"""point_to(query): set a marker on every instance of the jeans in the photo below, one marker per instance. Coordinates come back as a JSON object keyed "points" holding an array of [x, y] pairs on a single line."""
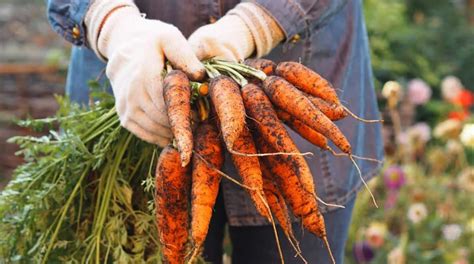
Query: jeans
{"points": [[256, 244]]}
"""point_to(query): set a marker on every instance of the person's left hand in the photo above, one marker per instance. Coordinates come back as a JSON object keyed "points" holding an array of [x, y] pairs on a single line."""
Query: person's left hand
{"points": [[243, 31]]}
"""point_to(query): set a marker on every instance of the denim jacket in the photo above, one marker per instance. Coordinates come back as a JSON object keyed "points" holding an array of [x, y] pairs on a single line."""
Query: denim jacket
{"points": [[329, 36]]}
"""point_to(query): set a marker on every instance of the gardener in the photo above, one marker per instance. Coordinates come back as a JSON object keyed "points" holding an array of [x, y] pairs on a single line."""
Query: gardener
{"points": [[132, 41]]}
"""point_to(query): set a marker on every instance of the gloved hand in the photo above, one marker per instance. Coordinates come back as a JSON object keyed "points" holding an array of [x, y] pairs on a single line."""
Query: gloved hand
{"points": [[243, 31], [136, 49]]}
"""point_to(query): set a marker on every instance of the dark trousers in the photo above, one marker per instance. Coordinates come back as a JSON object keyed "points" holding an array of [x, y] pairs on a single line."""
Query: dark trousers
{"points": [[256, 244]]}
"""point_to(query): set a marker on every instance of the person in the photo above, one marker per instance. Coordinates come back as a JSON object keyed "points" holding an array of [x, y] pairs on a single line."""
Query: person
{"points": [[131, 40]]}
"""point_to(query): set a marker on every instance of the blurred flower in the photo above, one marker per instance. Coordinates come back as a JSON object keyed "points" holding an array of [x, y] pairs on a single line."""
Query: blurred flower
{"points": [[418, 195], [391, 200], [451, 87], [458, 115], [394, 177], [448, 129], [392, 91], [363, 253], [466, 179], [461, 261], [396, 256], [419, 92], [403, 138], [417, 213], [375, 234], [437, 159], [451, 232], [464, 99], [454, 147], [470, 225], [226, 259], [420, 131], [467, 135], [445, 209], [392, 88]]}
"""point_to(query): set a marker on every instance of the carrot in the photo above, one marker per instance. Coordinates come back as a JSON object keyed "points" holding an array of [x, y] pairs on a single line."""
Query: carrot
{"points": [[277, 205], [332, 111], [303, 130], [302, 203], [225, 96], [205, 180], [284, 95], [272, 130], [307, 80], [172, 184], [267, 66], [177, 96], [248, 168]]}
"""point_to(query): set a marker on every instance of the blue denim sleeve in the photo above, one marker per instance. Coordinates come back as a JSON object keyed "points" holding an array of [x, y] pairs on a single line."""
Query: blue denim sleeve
{"points": [[66, 18], [299, 16]]}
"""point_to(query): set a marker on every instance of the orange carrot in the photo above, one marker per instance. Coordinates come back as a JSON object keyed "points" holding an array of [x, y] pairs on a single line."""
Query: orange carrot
{"points": [[260, 109], [284, 95], [267, 66], [248, 168], [332, 111], [225, 96], [172, 202], [302, 203], [205, 180], [307, 80], [177, 96], [303, 130], [277, 203]]}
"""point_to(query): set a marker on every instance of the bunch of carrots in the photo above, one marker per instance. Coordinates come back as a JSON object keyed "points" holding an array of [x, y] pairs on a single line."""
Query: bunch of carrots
{"points": [[241, 110]]}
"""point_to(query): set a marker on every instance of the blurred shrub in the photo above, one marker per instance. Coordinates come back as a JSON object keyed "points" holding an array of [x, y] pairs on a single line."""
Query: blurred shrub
{"points": [[420, 39]]}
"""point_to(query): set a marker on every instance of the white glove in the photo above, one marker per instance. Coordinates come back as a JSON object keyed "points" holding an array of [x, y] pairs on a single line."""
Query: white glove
{"points": [[245, 29], [136, 49]]}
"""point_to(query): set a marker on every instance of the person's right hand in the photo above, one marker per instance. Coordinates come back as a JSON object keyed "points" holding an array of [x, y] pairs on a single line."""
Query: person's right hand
{"points": [[136, 49]]}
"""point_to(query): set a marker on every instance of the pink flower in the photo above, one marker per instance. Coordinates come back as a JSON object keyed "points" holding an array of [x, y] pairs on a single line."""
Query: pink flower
{"points": [[391, 200], [419, 92], [420, 131], [394, 177]]}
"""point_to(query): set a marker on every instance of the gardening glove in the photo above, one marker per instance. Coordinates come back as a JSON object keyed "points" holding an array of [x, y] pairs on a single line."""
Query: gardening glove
{"points": [[136, 49], [243, 31]]}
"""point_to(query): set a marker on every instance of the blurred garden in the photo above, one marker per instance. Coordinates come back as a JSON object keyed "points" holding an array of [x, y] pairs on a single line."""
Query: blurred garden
{"points": [[423, 60]]}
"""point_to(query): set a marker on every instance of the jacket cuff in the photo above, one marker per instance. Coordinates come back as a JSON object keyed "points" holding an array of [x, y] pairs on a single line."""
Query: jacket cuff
{"points": [[97, 16], [265, 31], [289, 15], [67, 20]]}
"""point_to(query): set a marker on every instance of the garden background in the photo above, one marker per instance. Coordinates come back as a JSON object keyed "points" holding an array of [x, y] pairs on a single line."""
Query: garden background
{"points": [[423, 62]]}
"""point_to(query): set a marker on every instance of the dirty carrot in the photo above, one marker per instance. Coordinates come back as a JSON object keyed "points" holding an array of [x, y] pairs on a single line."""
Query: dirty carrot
{"points": [[248, 168], [205, 180], [278, 206], [267, 66], [265, 119], [172, 184], [303, 130], [307, 80], [284, 95], [302, 203], [177, 96], [227, 101], [332, 111]]}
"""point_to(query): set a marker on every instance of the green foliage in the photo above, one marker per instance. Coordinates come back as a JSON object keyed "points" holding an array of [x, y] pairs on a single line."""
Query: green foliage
{"points": [[419, 39], [83, 195]]}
